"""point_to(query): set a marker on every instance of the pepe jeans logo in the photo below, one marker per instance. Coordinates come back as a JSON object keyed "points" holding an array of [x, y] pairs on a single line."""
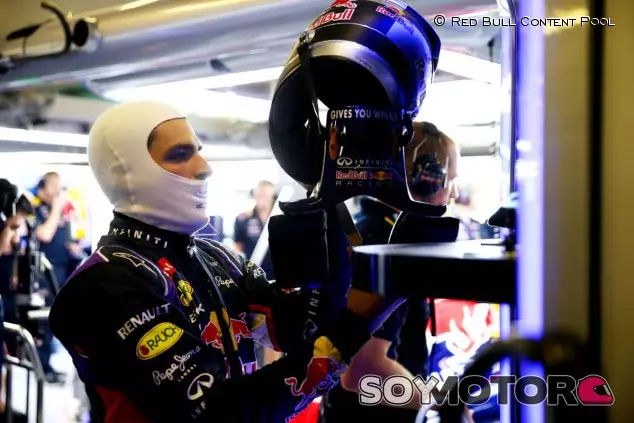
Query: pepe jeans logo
{"points": [[179, 366], [158, 340], [223, 282]]}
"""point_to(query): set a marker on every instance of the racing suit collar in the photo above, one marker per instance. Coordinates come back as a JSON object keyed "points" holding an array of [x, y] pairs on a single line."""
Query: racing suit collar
{"points": [[147, 235]]}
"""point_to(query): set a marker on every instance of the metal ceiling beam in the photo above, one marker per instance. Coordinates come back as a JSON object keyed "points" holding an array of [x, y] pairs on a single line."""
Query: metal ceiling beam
{"points": [[126, 40]]}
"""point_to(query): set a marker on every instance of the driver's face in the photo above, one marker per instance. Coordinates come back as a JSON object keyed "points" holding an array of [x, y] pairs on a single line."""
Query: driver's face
{"points": [[176, 149]]}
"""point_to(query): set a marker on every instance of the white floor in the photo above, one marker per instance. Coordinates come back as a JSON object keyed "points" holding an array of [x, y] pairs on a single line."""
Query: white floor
{"points": [[59, 404]]}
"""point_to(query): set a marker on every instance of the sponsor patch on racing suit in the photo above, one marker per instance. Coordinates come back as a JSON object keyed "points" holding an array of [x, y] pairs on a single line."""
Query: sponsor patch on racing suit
{"points": [[157, 335]]}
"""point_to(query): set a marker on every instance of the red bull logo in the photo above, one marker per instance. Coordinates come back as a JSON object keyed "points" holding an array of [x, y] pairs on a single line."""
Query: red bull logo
{"points": [[348, 4], [239, 328], [352, 175], [317, 381], [389, 11], [330, 17], [321, 372], [212, 335], [397, 15], [381, 175]]}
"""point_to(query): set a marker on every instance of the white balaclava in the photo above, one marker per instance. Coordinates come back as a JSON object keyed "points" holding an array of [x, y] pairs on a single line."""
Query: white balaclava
{"points": [[133, 182]]}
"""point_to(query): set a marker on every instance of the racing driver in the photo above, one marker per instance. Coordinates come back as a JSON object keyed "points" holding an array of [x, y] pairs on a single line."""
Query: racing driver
{"points": [[161, 324]]}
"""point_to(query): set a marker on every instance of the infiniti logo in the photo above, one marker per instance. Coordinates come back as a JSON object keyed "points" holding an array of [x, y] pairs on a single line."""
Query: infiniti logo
{"points": [[344, 161], [195, 390]]}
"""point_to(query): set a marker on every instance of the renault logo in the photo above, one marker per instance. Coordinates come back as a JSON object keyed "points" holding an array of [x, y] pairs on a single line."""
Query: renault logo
{"points": [[344, 161], [195, 390]]}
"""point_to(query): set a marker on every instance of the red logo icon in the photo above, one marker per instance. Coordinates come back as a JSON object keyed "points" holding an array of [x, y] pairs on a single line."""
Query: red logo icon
{"points": [[318, 379], [239, 328], [389, 11], [352, 175], [348, 4], [211, 334], [594, 390], [381, 175], [167, 267]]}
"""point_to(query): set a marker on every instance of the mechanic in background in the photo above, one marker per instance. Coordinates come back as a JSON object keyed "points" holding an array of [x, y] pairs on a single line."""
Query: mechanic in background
{"points": [[249, 225], [400, 346], [246, 232], [53, 232], [52, 226]]}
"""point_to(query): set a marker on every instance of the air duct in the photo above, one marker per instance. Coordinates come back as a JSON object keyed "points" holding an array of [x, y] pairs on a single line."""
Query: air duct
{"points": [[154, 35], [140, 36]]}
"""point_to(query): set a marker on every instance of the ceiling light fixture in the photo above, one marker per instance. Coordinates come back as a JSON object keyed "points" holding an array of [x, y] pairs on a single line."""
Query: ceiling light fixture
{"points": [[460, 64], [65, 139], [202, 103], [210, 152], [18, 158], [470, 67], [229, 80], [465, 101]]}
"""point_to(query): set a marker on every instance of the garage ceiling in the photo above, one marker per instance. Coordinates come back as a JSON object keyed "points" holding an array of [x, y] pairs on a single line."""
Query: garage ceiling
{"points": [[35, 96]]}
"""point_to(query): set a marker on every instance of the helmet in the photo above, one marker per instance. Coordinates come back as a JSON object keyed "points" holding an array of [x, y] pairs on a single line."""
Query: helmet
{"points": [[378, 54]]}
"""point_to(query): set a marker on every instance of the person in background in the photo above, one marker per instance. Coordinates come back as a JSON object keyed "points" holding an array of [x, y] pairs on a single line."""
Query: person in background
{"points": [[399, 347], [246, 232], [470, 228], [52, 225], [431, 156], [249, 225], [52, 231]]}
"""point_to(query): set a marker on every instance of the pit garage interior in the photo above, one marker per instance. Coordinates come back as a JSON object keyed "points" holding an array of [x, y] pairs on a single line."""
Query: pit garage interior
{"points": [[523, 110]]}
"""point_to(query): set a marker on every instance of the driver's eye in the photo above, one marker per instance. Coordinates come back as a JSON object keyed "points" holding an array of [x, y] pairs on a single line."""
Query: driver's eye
{"points": [[180, 153]]}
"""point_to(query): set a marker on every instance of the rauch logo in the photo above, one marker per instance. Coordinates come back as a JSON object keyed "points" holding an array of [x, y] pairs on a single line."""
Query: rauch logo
{"points": [[159, 339]]}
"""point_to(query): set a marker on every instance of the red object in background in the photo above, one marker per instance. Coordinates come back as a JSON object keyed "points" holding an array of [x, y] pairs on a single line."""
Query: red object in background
{"points": [[310, 414], [464, 326], [68, 211]]}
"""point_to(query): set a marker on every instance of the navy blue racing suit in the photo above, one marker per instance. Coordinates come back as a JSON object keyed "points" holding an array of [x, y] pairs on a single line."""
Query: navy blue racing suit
{"points": [[161, 328]]}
